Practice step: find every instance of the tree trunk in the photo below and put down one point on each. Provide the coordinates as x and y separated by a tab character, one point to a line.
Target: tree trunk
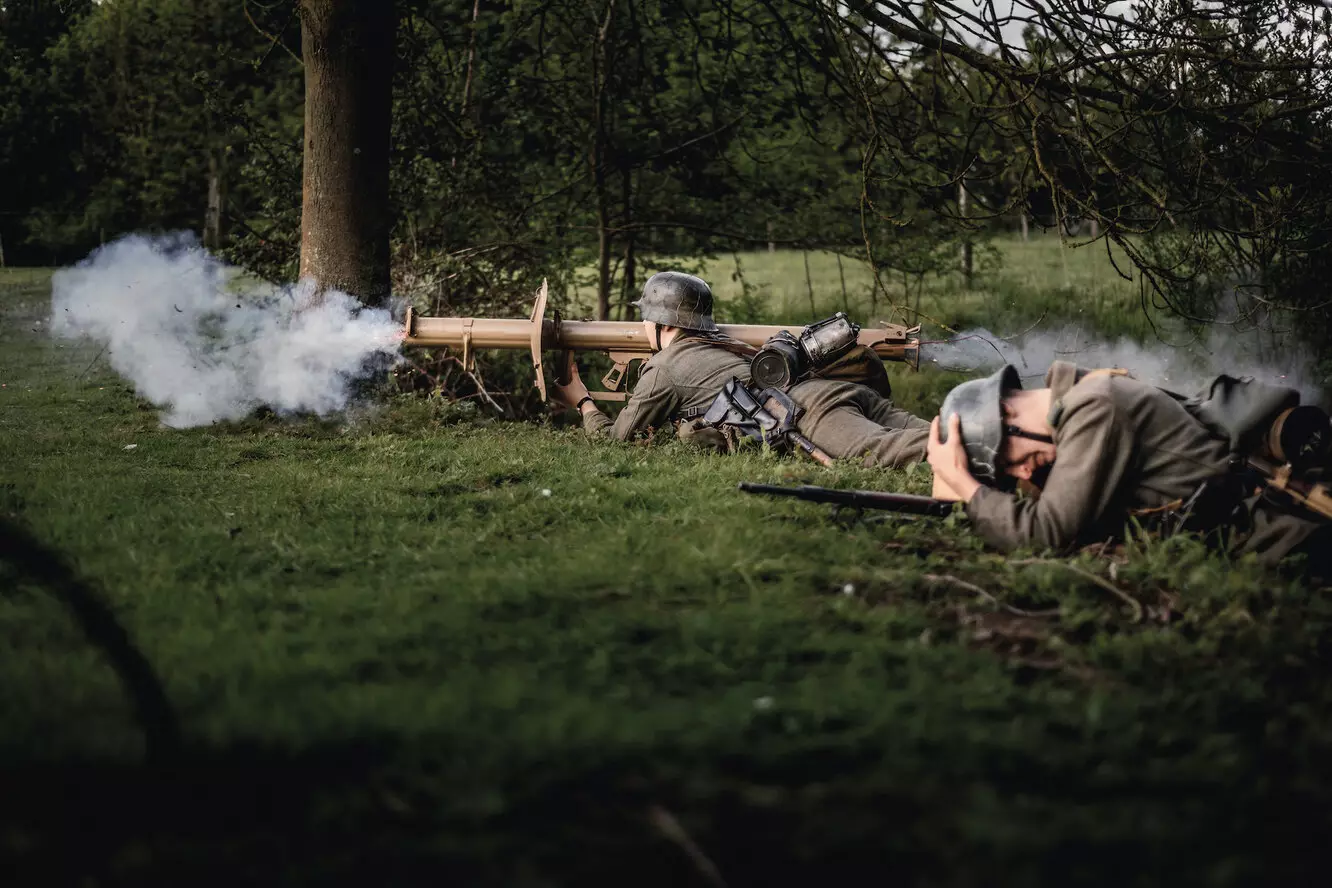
347	46
846	304
966	235
213	233
1023	217
630	257
467	82
630	280
809	285
603	240
599	161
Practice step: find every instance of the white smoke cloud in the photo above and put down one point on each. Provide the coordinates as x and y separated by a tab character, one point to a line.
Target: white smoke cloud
1184	367
203	343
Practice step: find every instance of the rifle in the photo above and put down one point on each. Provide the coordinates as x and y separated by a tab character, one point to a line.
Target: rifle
623	341
906	503
1282	481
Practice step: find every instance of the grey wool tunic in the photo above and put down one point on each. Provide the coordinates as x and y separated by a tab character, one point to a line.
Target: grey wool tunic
843	418
1120	445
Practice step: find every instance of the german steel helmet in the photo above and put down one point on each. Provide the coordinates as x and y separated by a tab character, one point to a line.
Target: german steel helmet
977	404
677	299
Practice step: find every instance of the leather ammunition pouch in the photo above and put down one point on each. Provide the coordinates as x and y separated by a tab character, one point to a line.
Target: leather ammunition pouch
768	416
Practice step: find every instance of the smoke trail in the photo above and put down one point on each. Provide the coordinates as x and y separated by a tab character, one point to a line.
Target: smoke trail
202	343
1184	368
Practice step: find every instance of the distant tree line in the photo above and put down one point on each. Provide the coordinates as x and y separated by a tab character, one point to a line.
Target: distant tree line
535	137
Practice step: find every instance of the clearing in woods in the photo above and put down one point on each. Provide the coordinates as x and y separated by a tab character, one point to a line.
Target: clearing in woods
412	643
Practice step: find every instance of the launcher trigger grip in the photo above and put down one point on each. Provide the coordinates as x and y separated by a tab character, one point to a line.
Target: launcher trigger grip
620	361
614	377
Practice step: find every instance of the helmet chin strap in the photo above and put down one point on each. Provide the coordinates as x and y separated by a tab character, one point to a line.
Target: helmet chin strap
656	336
1030	436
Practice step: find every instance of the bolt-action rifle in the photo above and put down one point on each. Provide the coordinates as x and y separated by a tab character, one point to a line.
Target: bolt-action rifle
623	341
906	503
1281	482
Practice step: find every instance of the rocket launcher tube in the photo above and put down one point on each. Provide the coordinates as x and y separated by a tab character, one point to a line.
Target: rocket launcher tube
624	341
890	344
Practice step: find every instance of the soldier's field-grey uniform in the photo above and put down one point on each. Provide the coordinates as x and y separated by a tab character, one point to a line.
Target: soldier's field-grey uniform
1121	445
843	418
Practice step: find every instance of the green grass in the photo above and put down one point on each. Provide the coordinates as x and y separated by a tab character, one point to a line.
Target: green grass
394	659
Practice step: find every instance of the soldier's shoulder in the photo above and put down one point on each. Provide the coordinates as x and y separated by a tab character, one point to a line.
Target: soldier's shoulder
1122	393
687	350
1100	394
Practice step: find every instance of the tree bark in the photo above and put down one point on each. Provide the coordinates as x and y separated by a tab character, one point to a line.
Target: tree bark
966	235
809	285
471	63
630	258
347	47
214	234
603	251
846	304
599	160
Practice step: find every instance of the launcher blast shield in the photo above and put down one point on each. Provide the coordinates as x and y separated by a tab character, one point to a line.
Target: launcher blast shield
623	341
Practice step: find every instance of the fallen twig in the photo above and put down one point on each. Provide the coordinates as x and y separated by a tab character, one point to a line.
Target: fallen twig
1088	575
981	593
476	380
669	827
101	352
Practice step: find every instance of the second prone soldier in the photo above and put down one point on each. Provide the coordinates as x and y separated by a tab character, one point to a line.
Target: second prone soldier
693	361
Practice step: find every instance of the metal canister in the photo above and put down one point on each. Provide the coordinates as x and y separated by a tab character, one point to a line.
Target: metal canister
829	339
1300	436
779	363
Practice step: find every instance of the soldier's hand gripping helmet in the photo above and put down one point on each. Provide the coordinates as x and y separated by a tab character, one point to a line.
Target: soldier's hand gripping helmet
978	405
676	299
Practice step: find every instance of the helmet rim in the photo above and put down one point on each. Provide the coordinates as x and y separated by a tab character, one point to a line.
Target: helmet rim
978	404
677	299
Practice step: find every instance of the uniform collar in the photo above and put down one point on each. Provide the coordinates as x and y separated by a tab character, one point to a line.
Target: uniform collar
1061	377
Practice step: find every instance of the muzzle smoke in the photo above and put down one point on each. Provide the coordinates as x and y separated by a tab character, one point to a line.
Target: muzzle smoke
204	344
1183	368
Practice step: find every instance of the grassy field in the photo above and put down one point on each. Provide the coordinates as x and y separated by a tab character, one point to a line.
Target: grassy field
1023	283
415	646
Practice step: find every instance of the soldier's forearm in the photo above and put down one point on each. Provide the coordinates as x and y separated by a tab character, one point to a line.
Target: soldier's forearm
596	423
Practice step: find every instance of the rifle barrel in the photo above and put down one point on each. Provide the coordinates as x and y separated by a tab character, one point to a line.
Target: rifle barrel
906	503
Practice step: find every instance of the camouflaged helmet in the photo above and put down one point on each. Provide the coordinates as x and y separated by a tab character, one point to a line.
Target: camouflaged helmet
977	405
677	299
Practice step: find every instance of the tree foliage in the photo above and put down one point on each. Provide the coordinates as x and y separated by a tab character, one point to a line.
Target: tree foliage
1196	134
557	138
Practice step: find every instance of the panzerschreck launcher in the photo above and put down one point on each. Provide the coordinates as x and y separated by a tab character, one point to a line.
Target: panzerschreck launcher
623	341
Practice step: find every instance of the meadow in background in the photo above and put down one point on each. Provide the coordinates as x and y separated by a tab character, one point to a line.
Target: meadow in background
433	642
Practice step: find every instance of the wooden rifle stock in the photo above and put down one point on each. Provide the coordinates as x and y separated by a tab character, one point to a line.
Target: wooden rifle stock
1312	495
623	341
907	503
